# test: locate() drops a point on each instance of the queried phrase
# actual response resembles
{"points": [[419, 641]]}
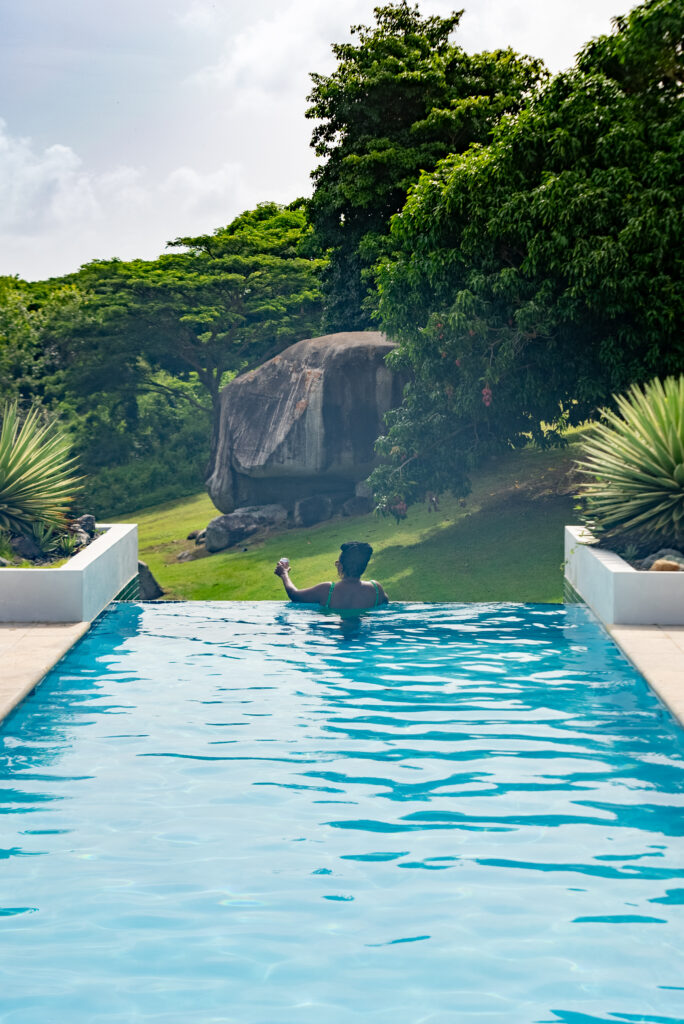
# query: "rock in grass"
{"points": [[149, 588], [226, 531], [357, 506], [312, 510]]}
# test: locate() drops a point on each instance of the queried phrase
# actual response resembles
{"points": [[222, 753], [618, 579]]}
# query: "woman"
{"points": [[350, 591]]}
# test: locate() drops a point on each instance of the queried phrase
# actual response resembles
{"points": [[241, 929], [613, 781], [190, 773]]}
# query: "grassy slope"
{"points": [[505, 545]]}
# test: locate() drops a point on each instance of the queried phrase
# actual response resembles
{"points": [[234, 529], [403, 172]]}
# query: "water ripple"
{"points": [[433, 814]]}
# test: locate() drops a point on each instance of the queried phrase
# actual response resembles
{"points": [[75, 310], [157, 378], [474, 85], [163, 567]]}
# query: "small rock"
{"points": [[82, 538], [3, 562], [200, 537], [192, 535], [26, 548], [184, 556], [86, 523], [665, 565], [149, 588], [357, 506], [312, 510], [672, 554]]}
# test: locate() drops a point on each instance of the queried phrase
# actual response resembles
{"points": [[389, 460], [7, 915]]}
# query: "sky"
{"points": [[125, 125]]}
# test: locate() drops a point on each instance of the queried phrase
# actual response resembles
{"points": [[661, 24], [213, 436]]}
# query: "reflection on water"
{"points": [[256, 813]]}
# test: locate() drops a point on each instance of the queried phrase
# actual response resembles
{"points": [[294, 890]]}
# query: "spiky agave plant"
{"points": [[36, 481], [635, 463]]}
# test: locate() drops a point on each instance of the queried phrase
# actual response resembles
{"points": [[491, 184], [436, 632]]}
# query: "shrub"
{"points": [[36, 481], [635, 463]]}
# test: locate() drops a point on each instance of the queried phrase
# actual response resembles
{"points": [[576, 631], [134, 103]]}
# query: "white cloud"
{"points": [[273, 55], [201, 16], [198, 117], [45, 184], [191, 194], [55, 214], [553, 31]]}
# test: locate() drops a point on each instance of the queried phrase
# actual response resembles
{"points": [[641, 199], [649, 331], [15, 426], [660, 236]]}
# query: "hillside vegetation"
{"points": [[504, 544]]}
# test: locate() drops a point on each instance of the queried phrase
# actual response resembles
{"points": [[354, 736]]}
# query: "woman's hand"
{"points": [[282, 568]]}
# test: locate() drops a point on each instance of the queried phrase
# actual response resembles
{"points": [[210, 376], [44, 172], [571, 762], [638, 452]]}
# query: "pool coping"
{"points": [[28, 650], [658, 653]]}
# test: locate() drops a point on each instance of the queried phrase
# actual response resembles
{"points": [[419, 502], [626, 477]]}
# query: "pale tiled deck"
{"points": [[27, 651], [658, 653]]}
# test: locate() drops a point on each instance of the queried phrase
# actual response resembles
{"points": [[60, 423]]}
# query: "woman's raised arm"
{"points": [[311, 595]]}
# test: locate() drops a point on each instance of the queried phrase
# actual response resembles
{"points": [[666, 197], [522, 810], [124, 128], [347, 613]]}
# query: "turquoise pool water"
{"points": [[251, 813]]}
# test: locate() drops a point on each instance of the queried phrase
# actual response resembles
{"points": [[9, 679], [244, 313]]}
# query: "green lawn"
{"points": [[506, 544]]}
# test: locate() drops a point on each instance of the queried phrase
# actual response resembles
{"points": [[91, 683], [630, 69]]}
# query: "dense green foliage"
{"points": [[402, 96], [519, 237], [131, 356], [29, 315], [532, 278], [163, 455], [37, 484], [635, 463], [225, 303], [140, 439]]}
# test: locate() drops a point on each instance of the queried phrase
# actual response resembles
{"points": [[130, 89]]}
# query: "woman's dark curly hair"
{"points": [[355, 557]]}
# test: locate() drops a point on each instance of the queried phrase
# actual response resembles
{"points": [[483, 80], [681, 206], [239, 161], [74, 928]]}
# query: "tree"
{"points": [[27, 312], [401, 97], [227, 302], [533, 278]]}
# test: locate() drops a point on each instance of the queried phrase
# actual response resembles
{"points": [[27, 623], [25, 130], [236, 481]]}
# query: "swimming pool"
{"points": [[255, 814]]}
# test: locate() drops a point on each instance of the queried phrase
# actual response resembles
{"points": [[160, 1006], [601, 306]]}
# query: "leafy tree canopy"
{"points": [[226, 302], [28, 312], [402, 96], [533, 278]]}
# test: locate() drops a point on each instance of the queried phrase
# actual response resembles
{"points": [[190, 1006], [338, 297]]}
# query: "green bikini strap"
{"points": [[377, 594], [330, 594]]}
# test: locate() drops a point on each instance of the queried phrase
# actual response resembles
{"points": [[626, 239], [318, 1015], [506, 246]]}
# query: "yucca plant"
{"points": [[37, 484], [634, 460], [68, 544], [6, 549], [46, 537]]}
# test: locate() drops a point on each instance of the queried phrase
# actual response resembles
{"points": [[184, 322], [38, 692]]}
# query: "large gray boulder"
{"points": [[305, 422]]}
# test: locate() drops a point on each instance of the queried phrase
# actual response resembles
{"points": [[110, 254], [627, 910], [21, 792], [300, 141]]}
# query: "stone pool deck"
{"points": [[658, 653], [29, 650]]}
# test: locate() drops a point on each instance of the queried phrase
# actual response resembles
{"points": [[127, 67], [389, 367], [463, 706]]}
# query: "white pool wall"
{"points": [[616, 592], [77, 591]]}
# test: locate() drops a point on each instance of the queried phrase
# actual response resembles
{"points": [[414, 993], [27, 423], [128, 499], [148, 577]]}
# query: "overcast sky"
{"points": [[125, 124]]}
